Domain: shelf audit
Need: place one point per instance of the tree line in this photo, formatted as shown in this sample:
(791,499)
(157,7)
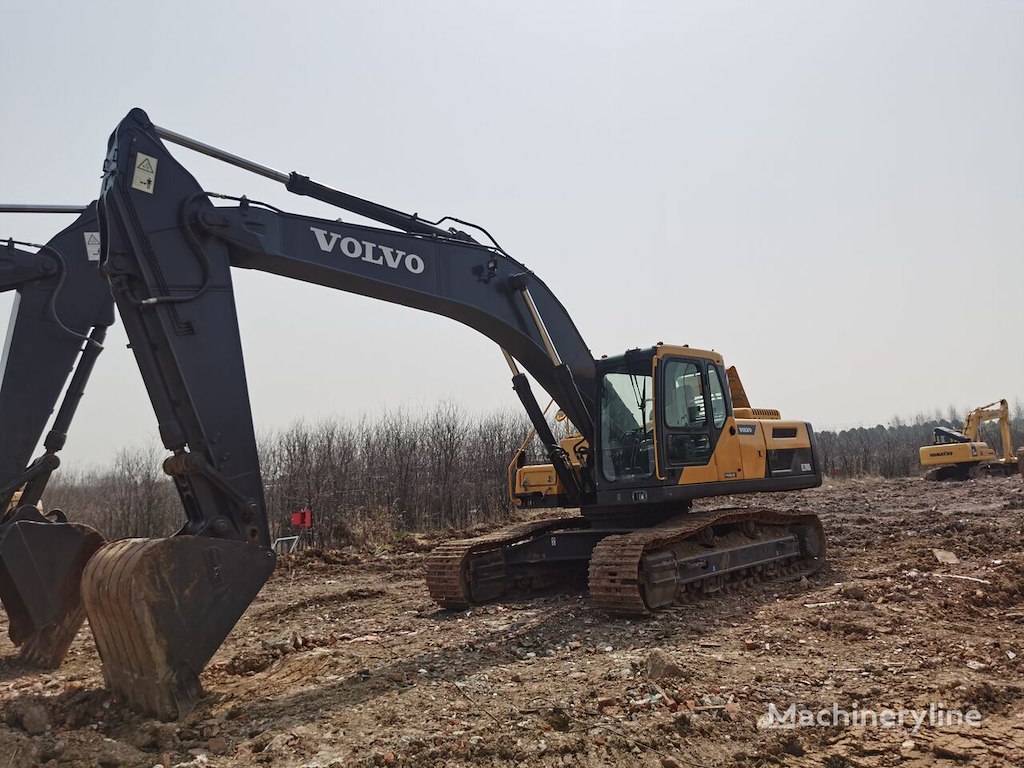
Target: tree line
(369,480)
(892,450)
(364,481)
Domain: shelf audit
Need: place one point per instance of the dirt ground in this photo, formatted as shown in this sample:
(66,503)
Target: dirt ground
(343,660)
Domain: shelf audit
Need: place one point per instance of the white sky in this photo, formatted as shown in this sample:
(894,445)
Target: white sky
(829,193)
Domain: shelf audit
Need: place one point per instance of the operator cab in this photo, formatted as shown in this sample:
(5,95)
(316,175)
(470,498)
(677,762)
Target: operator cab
(947,436)
(661,409)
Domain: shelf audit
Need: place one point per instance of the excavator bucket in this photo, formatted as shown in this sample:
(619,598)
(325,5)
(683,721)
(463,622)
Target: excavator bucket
(160,608)
(41,564)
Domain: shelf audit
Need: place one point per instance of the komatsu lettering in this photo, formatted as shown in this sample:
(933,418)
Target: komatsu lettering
(364,250)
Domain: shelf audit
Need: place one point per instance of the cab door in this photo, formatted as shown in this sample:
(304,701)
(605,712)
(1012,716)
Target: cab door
(694,413)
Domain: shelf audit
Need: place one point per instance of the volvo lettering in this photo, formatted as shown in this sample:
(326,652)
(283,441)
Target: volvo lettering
(364,250)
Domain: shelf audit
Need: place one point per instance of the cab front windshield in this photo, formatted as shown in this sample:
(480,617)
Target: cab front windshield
(627,444)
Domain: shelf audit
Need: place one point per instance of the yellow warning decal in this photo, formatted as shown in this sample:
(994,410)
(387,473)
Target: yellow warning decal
(144,178)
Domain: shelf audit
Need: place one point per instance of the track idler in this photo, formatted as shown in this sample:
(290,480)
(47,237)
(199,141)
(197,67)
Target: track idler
(41,564)
(160,608)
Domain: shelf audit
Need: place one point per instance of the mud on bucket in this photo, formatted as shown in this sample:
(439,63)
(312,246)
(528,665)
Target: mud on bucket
(160,608)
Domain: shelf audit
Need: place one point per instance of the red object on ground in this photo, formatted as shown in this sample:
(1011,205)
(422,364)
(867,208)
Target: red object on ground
(303,518)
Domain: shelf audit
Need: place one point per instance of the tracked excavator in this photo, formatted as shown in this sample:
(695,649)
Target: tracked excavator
(964,455)
(61,313)
(658,426)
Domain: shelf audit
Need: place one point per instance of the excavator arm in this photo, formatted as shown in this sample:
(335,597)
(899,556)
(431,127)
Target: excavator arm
(1009,455)
(997,411)
(61,313)
(168,253)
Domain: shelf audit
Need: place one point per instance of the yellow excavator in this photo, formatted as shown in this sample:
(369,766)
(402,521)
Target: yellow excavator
(658,426)
(964,455)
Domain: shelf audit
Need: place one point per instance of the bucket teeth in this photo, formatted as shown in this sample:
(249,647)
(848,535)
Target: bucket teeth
(160,608)
(41,565)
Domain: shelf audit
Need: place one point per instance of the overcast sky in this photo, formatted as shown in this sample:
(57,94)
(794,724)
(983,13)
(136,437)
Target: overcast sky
(829,193)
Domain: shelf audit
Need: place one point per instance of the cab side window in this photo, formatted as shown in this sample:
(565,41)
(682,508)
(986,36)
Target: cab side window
(687,439)
(684,396)
(718,412)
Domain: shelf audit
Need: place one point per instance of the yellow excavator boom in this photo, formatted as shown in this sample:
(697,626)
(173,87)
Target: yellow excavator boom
(997,411)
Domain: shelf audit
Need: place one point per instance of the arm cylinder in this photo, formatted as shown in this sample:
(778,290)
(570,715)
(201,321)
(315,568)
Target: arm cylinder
(30,208)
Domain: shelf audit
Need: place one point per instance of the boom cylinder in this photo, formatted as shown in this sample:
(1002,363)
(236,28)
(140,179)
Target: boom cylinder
(542,329)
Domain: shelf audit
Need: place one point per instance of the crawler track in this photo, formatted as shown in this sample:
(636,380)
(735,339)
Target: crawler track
(636,572)
(448,567)
(968,471)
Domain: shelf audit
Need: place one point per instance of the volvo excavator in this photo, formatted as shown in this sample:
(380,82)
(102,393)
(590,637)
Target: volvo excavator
(964,455)
(62,310)
(658,426)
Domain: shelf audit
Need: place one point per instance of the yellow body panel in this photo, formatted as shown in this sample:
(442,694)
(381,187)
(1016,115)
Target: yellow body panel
(537,478)
(756,413)
(956,453)
(775,441)
(700,473)
(541,478)
(744,455)
(739,456)
(670,350)
(752,450)
(728,456)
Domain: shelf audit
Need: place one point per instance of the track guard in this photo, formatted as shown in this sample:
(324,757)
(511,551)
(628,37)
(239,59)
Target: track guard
(41,564)
(160,608)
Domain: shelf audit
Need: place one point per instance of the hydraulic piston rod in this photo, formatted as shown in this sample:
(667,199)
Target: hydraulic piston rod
(220,154)
(303,185)
(29,208)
